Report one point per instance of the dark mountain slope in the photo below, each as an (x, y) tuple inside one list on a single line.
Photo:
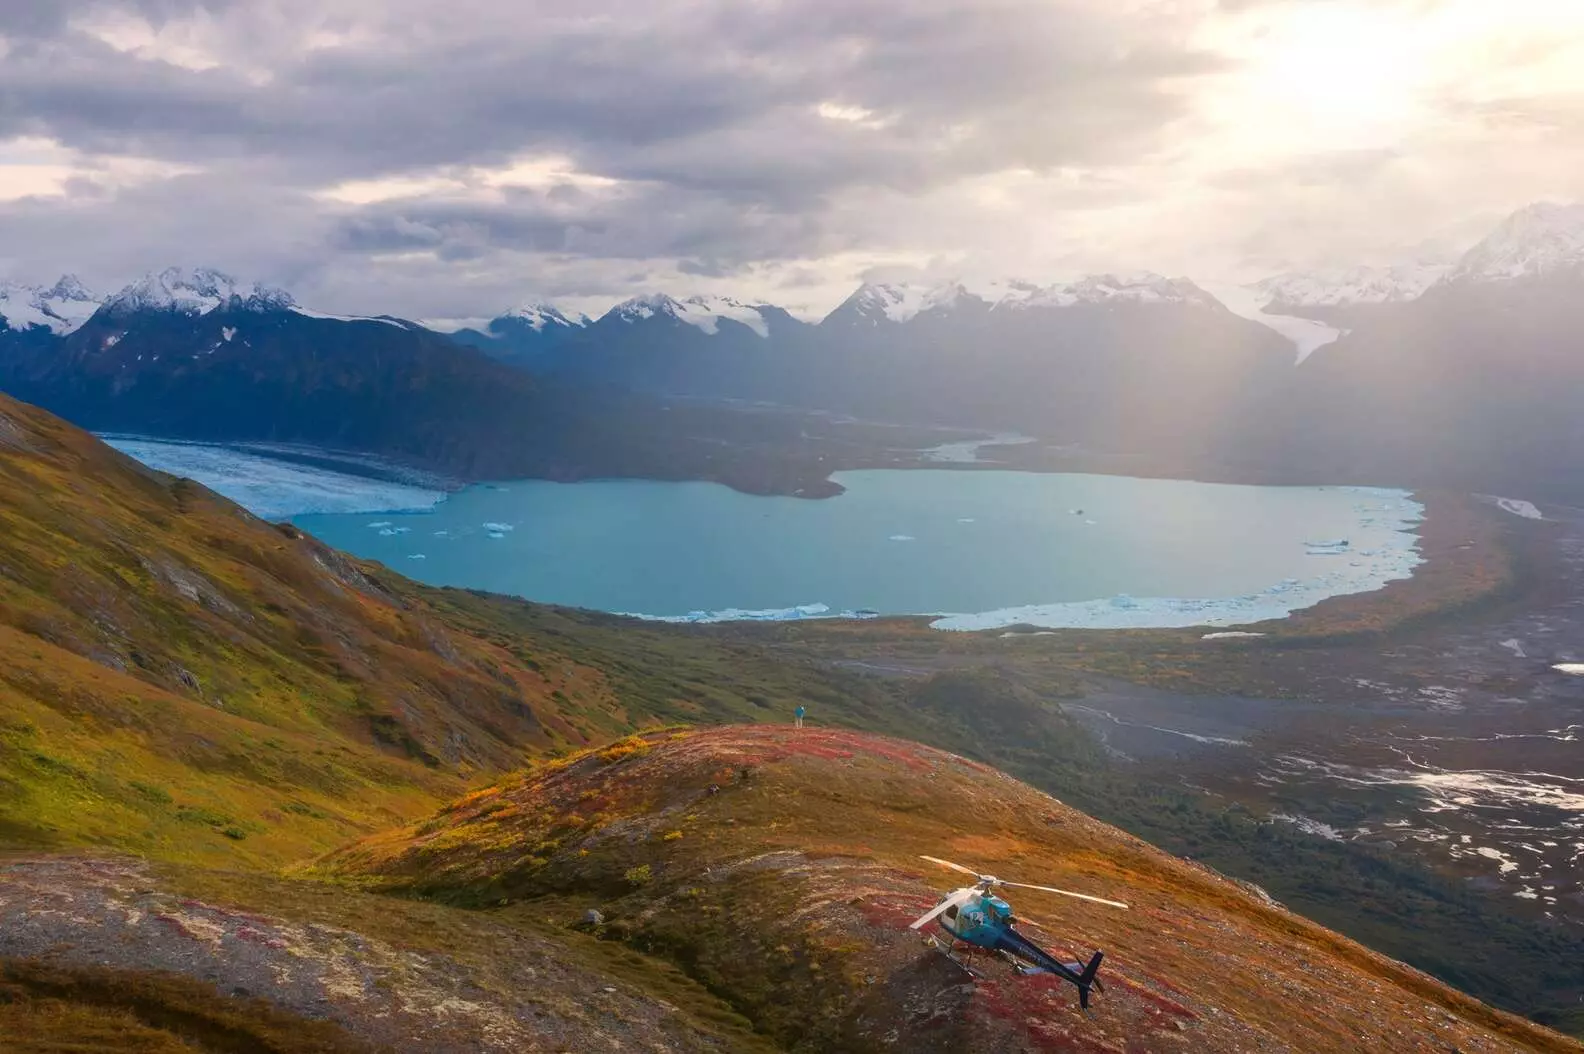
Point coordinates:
[(1473, 385), (260, 371)]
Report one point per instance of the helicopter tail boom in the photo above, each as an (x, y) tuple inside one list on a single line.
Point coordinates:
[(1086, 980)]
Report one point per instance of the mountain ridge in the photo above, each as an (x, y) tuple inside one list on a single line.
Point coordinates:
[(781, 867)]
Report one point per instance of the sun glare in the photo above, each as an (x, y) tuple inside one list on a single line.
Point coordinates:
[(1334, 67), (1338, 75)]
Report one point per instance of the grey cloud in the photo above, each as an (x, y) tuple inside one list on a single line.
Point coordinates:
[(714, 94), (703, 111)]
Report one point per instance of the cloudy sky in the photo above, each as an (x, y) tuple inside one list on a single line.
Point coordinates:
[(449, 158)]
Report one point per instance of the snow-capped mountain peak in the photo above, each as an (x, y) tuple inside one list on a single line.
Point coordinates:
[(1144, 287), (61, 308), (1541, 239), (196, 292), (903, 302), (1338, 287), (705, 312), (638, 308), (538, 315)]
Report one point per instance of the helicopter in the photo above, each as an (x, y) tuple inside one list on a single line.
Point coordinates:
[(979, 918)]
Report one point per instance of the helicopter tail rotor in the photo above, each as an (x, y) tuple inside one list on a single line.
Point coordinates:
[(1088, 979)]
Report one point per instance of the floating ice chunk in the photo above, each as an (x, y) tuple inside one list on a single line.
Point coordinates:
[(496, 534), (1090, 523), (967, 519), (1230, 635), (381, 523), (499, 528), (1518, 507), (416, 556), (1574, 668), (388, 532), (903, 538), (793, 614)]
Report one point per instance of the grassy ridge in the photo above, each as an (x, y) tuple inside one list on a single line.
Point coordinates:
[(786, 890), (180, 679)]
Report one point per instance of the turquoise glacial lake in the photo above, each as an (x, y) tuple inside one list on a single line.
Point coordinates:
[(976, 549)]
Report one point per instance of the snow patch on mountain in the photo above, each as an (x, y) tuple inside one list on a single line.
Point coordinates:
[(60, 308), (307, 313), (539, 315), (1144, 287), (879, 303), (196, 292), (1351, 285), (900, 302), (705, 312), (1541, 239), (453, 325)]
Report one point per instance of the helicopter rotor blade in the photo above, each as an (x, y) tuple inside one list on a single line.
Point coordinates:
[(954, 867), (961, 896), (1068, 893)]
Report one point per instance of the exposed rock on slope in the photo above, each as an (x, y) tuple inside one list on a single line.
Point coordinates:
[(427, 992), (788, 891)]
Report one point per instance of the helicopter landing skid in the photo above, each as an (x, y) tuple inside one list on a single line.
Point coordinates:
[(960, 963)]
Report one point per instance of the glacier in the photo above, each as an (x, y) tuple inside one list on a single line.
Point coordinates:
[(273, 489), (1307, 336)]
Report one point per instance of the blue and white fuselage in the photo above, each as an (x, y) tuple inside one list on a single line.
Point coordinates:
[(981, 920), (985, 920)]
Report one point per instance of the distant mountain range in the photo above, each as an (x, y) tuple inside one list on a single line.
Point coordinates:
[(1103, 360), (199, 355), (1476, 379), (1455, 372)]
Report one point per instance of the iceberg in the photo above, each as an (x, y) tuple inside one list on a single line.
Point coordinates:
[(1518, 507)]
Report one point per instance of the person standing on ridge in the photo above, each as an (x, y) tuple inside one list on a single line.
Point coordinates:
[(798, 714)]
